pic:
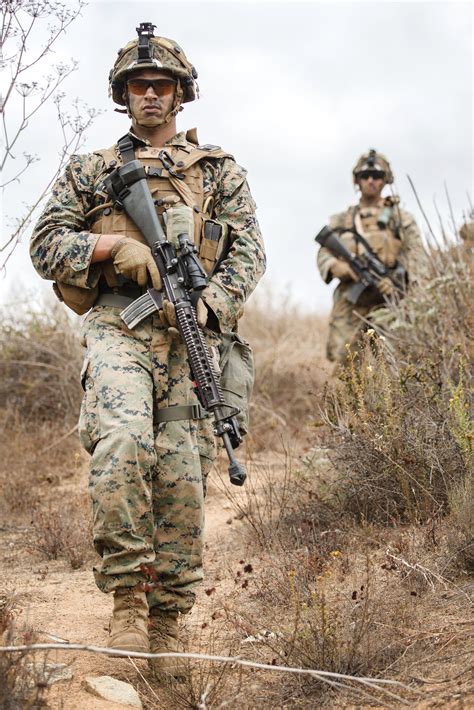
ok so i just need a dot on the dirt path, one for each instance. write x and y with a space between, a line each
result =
55 599
66 603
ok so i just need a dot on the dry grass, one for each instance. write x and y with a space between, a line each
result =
400 411
37 459
290 371
61 533
203 685
40 360
359 533
22 684
40 357
332 587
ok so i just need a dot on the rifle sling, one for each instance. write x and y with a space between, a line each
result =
181 411
114 300
126 149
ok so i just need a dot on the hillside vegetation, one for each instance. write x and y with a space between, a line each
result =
354 535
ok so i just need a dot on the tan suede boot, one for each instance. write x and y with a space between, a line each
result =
164 632
128 629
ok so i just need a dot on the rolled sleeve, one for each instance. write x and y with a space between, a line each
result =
325 260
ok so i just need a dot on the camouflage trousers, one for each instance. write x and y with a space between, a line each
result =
346 326
147 479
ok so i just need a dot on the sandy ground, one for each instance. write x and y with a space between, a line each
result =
66 603
55 599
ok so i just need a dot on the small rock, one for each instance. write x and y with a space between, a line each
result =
112 689
264 635
48 673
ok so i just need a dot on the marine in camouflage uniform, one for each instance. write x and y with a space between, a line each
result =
398 241
151 445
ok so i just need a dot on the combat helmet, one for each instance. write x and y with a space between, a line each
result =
150 52
373 160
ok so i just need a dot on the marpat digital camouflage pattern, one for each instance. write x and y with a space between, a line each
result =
147 480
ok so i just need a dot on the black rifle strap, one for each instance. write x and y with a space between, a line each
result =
126 149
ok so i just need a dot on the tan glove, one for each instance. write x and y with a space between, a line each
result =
168 314
386 287
341 270
133 260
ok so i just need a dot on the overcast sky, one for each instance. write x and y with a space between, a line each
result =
295 91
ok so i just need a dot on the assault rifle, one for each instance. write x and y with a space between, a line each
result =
369 269
183 280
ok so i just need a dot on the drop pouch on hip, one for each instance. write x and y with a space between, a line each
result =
78 299
237 375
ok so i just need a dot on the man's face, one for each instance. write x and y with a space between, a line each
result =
150 96
371 183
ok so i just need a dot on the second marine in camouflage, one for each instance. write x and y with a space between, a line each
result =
390 232
151 444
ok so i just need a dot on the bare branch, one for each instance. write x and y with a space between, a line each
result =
451 211
334 679
23 21
422 210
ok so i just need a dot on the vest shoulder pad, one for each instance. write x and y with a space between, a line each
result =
208 147
197 154
342 219
109 156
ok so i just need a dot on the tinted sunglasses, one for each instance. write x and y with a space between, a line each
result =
161 87
375 174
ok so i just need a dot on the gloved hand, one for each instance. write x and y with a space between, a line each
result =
386 287
133 260
341 270
168 314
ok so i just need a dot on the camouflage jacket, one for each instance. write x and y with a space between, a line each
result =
402 238
62 244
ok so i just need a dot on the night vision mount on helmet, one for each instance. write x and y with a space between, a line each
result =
150 52
373 160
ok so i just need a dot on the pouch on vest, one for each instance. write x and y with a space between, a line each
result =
237 375
214 244
79 299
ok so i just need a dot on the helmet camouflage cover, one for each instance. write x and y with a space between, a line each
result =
373 160
150 52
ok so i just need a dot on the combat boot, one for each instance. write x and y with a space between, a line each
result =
164 632
128 629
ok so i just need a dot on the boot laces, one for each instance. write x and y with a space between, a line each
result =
132 607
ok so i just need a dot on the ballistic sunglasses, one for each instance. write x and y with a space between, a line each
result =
161 87
375 174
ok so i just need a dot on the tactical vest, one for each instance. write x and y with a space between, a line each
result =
385 243
182 178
